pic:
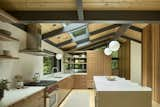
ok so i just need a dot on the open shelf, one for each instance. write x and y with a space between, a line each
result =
7 57
78 63
4 37
80 57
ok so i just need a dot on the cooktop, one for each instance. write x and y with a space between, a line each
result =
40 83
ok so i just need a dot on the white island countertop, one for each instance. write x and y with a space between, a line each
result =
14 95
120 84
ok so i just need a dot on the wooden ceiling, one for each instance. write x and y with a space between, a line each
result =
98 34
51 5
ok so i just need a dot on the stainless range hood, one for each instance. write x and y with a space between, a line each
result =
34 42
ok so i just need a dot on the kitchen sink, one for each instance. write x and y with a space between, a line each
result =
57 76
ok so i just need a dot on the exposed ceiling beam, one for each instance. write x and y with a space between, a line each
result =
52 33
97 45
129 38
69 28
104 29
78 41
21 26
136 28
69 16
64 43
121 31
80 9
5 17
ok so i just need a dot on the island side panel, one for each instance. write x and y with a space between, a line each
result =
123 99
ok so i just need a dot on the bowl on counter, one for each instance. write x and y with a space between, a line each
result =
111 78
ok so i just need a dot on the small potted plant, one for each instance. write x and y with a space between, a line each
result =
3 86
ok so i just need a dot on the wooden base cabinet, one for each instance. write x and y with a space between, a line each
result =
65 87
79 82
36 100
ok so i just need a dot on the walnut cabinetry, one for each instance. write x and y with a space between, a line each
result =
36 100
79 82
98 64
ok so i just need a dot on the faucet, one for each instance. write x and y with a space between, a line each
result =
54 68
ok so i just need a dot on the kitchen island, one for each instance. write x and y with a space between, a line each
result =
121 93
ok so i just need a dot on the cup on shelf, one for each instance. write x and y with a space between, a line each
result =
6 52
1 52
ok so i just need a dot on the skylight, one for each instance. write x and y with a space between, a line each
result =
79 32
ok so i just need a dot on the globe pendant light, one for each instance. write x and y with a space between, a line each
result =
114 45
58 56
107 51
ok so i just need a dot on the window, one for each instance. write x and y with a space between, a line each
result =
49 63
115 60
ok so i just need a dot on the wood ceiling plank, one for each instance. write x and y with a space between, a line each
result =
122 40
68 46
44 5
48 27
122 5
142 26
133 34
95 26
93 37
60 38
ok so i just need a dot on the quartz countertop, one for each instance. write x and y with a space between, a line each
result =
60 76
57 76
80 73
14 95
120 84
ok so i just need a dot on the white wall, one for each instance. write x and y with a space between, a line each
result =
27 64
135 62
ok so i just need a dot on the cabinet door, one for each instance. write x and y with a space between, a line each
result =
80 82
36 100
98 64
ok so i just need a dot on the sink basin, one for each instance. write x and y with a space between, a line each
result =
57 76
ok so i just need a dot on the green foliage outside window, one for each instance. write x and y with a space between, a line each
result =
115 54
115 60
114 64
79 32
47 65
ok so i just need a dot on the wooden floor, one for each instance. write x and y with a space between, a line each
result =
84 98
